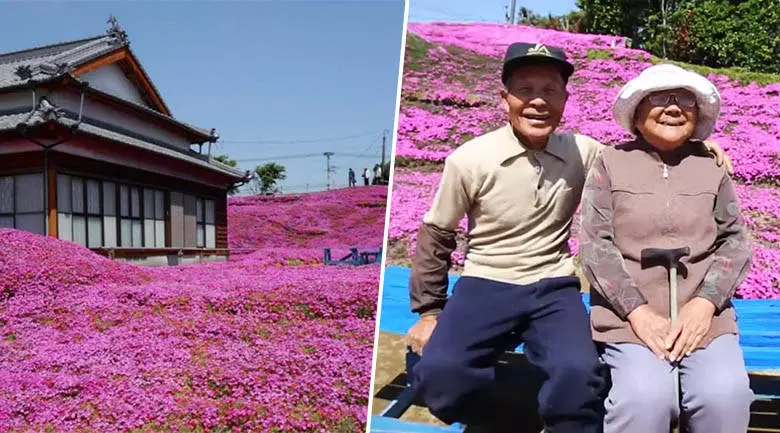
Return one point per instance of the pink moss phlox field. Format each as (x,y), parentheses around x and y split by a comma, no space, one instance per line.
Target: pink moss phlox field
(450,93)
(338,219)
(270,341)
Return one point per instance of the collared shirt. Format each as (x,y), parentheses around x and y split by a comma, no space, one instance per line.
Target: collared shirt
(519,203)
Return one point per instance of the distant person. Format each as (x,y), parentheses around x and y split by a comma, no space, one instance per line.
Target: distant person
(625,208)
(377,174)
(365,176)
(352,182)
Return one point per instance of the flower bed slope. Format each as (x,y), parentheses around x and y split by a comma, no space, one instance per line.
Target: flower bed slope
(270,341)
(450,93)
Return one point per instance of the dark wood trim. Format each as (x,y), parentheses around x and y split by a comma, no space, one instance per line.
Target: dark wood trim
(21,163)
(53,223)
(168,234)
(80,166)
(101,61)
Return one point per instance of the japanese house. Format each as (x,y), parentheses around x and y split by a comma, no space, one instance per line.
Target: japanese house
(90,153)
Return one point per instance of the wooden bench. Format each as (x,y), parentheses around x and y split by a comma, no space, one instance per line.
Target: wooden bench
(759,323)
(354,258)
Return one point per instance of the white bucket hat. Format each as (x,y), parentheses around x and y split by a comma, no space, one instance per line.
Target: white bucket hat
(665,77)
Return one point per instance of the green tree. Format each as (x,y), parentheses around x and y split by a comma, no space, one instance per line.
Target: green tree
(266,176)
(715,33)
(605,17)
(724,33)
(224,159)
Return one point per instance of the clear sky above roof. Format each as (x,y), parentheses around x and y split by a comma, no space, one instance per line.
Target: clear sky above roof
(274,78)
(480,11)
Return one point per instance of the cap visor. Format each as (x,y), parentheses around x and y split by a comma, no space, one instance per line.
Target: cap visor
(566,68)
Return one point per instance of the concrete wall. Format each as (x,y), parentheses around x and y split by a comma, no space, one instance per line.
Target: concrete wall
(172,260)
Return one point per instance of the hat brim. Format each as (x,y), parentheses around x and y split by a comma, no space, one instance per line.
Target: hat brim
(566,69)
(633,92)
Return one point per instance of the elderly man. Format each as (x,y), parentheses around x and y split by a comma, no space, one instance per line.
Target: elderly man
(520,186)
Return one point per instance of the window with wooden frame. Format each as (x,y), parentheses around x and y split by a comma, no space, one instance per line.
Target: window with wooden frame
(130,225)
(154,218)
(206,231)
(21,202)
(98,213)
(80,204)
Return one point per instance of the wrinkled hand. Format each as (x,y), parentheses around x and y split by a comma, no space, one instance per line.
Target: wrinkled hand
(692,325)
(651,328)
(720,156)
(420,333)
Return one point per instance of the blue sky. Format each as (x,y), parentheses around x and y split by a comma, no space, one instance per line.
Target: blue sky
(284,72)
(481,10)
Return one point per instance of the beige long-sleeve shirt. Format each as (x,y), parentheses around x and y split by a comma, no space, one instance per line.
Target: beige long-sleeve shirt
(519,203)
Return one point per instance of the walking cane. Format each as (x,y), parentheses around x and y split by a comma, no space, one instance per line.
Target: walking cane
(670,259)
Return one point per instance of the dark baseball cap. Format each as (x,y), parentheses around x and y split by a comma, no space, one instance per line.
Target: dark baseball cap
(522,53)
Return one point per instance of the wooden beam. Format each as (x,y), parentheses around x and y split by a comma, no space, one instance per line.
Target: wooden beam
(145,82)
(101,61)
(140,79)
(52,205)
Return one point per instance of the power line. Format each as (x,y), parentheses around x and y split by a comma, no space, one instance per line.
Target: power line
(305,155)
(374,143)
(313,140)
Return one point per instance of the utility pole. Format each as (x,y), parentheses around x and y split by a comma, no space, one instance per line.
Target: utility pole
(512,12)
(384,136)
(327,156)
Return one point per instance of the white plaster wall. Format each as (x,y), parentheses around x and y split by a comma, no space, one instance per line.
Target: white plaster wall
(111,79)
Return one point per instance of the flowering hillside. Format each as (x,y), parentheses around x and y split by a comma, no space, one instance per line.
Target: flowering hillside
(352,217)
(450,94)
(270,342)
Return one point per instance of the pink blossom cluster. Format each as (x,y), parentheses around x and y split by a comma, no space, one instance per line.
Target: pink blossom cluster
(269,341)
(748,128)
(453,94)
(350,217)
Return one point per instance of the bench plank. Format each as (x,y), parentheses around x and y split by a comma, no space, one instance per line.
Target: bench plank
(381,424)
(759,320)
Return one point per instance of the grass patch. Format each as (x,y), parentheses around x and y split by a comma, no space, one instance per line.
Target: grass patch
(741,75)
(422,165)
(597,54)
(416,52)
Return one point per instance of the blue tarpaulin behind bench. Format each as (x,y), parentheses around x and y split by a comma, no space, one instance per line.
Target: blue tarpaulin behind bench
(759,320)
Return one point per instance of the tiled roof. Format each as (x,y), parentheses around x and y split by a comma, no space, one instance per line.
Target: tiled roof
(48,112)
(51,61)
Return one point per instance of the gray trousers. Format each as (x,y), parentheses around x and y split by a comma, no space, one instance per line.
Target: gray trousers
(716,394)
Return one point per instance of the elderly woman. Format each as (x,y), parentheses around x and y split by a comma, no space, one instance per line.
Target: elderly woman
(661,191)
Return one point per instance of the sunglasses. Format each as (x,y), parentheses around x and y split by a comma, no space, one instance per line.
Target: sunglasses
(662,100)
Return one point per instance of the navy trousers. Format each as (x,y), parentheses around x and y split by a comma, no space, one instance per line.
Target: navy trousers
(484,318)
